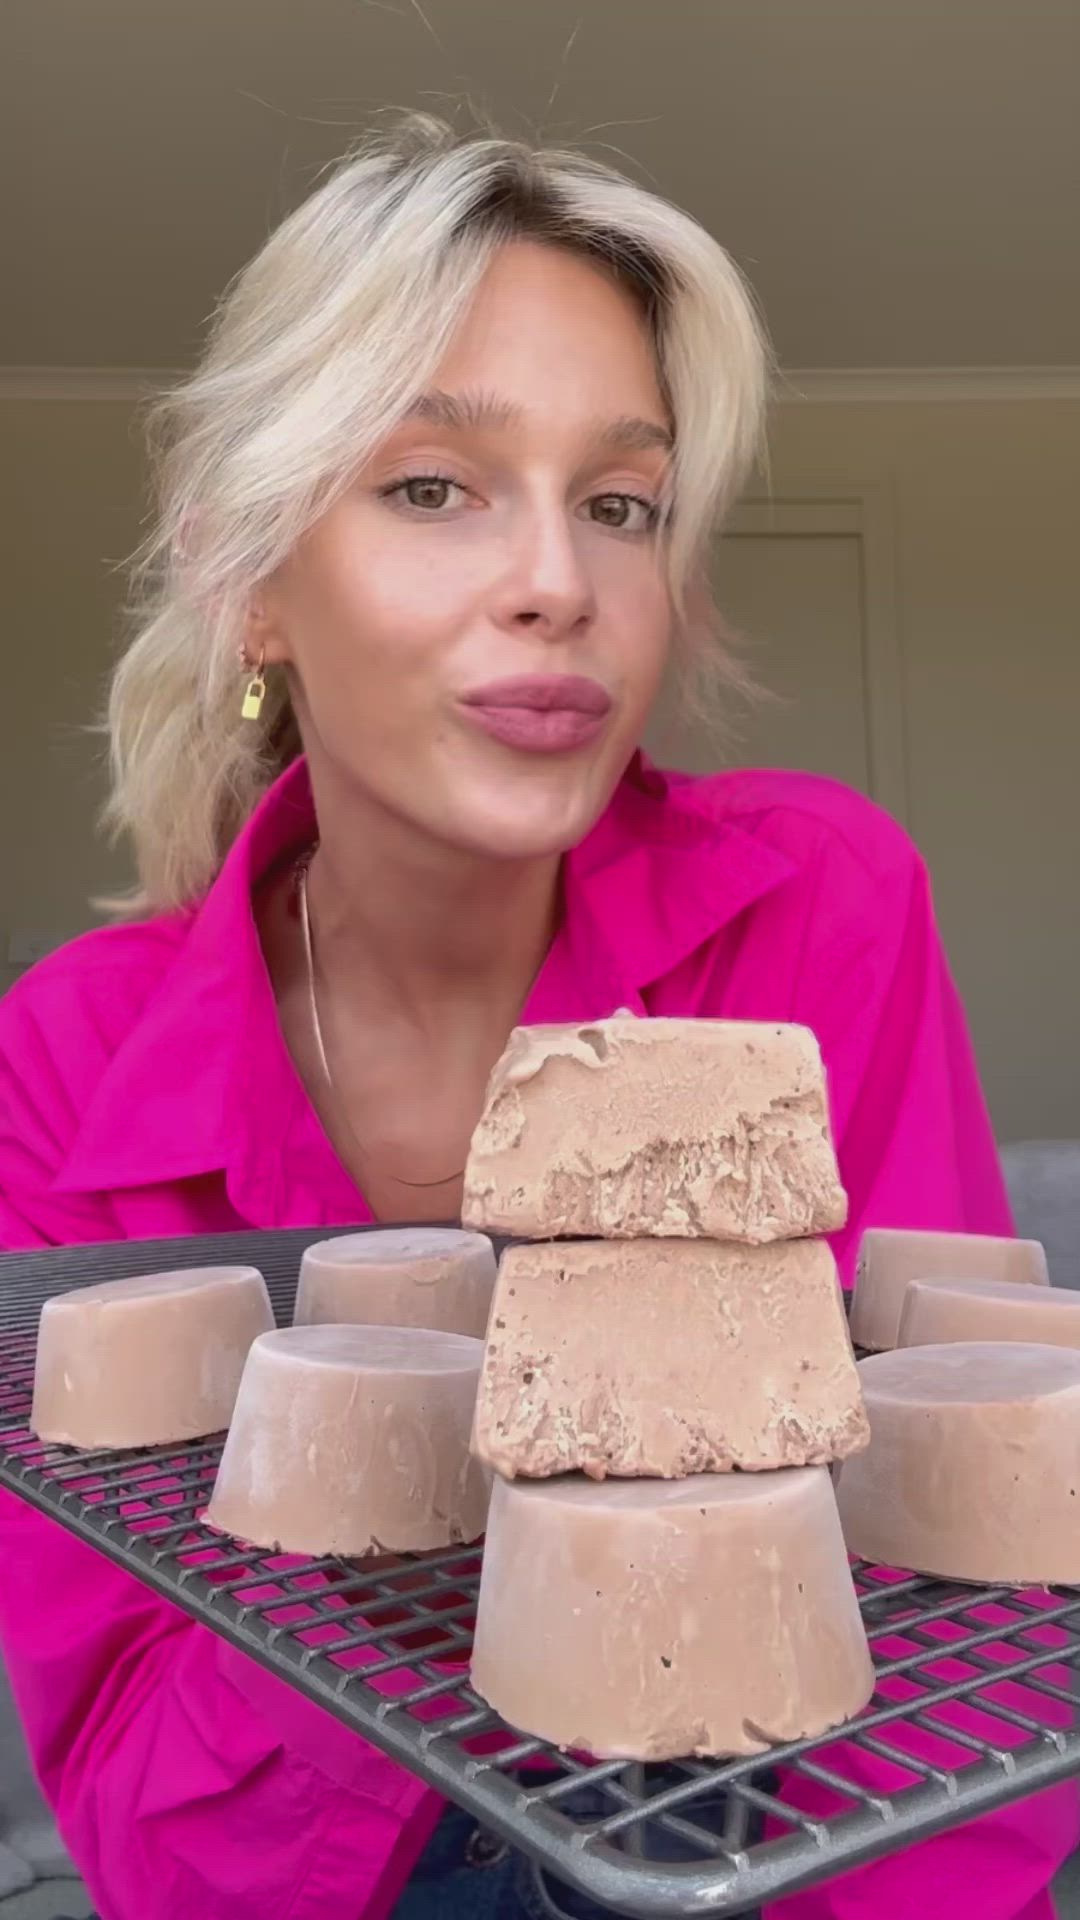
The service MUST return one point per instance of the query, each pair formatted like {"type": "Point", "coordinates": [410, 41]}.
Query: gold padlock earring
{"type": "Point", "coordinates": [255, 691]}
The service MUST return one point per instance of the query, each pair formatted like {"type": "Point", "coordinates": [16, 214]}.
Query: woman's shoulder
{"type": "Point", "coordinates": [777, 880]}
{"type": "Point", "coordinates": [62, 1026]}
{"type": "Point", "coordinates": [833, 845]}
{"type": "Point", "coordinates": [91, 990]}
{"type": "Point", "coordinates": [808, 897]}
{"type": "Point", "coordinates": [802, 816]}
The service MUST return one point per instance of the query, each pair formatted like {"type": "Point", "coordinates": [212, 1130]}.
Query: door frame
{"type": "Point", "coordinates": [865, 512]}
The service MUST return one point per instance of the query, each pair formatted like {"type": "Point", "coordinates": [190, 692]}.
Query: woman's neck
{"type": "Point", "coordinates": [425, 929]}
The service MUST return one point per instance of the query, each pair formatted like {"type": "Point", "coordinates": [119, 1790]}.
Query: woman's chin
{"type": "Point", "coordinates": [535, 817]}
{"type": "Point", "coordinates": [536, 831]}
{"type": "Point", "coordinates": [527, 840]}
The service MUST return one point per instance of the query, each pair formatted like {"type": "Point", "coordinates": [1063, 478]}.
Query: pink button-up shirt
{"type": "Point", "coordinates": [146, 1090]}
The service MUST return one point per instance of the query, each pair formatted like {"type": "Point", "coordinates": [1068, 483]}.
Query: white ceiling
{"type": "Point", "coordinates": [900, 178]}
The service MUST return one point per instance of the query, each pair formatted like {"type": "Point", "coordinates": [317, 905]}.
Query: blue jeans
{"type": "Point", "coordinates": [468, 1874]}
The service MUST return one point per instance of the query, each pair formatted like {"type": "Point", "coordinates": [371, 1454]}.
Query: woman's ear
{"type": "Point", "coordinates": [263, 627]}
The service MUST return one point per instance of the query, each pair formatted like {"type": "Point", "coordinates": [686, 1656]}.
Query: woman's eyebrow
{"type": "Point", "coordinates": [457, 412]}
{"type": "Point", "coordinates": [636, 434]}
{"type": "Point", "coordinates": [461, 410]}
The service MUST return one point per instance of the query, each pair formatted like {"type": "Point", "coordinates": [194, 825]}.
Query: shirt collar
{"type": "Point", "coordinates": [199, 1083]}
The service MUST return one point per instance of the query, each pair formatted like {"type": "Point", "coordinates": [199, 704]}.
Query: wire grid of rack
{"type": "Point", "coordinates": [975, 1701]}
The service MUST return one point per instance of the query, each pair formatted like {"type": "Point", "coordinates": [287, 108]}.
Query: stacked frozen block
{"type": "Point", "coordinates": [673, 1316]}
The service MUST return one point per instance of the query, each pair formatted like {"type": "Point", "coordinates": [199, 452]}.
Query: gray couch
{"type": "Point", "coordinates": [30, 1847]}
{"type": "Point", "coordinates": [1043, 1177]}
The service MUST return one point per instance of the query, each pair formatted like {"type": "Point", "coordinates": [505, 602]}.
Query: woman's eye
{"type": "Point", "coordinates": [428, 492]}
{"type": "Point", "coordinates": [625, 512]}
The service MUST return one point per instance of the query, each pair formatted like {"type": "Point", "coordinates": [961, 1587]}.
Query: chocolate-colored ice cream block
{"type": "Point", "coordinates": [939, 1311]}
{"type": "Point", "coordinates": [667, 1358]}
{"type": "Point", "coordinates": [648, 1619]}
{"type": "Point", "coordinates": [973, 1467]}
{"type": "Point", "coordinates": [353, 1440]}
{"type": "Point", "coordinates": [890, 1258]}
{"type": "Point", "coordinates": [434, 1277]}
{"type": "Point", "coordinates": [714, 1129]}
{"type": "Point", "coordinates": [144, 1361]}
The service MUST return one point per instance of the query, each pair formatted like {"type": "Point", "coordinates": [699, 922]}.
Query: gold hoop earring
{"type": "Point", "coordinates": [255, 691]}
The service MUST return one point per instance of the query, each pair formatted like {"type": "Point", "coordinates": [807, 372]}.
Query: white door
{"type": "Point", "coordinates": [792, 578]}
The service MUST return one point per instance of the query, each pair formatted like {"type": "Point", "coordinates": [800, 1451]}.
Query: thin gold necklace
{"type": "Point", "coordinates": [316, 1027]}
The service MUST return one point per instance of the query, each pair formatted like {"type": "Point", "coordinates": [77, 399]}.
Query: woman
{"type": "Point", "coordinates": [437, 506]}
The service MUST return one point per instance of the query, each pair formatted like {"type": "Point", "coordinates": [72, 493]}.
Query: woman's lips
{"type": "Point", "coordinates": [540, 713]}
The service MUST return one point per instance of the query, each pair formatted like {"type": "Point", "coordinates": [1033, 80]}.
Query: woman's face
{"type": "Point", "coordinates": [477, 628]}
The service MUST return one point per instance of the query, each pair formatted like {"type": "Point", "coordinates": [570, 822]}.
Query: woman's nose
{"type": "Point", "coordinates": [548, 587]}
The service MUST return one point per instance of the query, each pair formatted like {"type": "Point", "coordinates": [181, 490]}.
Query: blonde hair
{"type": "Point", "coordinates": [317, 350]}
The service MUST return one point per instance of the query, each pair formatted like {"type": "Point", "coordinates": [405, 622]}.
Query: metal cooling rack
{"type": "Point", "coordinates": [384, 1650]}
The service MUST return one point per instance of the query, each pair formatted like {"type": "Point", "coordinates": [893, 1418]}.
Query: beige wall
{"type": "Point", "coordinates": [70, 482]}
{"type": "Point", "coordinates": [984, 498]}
